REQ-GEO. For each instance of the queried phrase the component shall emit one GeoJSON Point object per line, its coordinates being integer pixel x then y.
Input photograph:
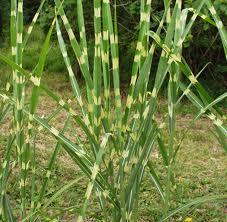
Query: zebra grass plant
{"type": "Point", "coordinates": [120, 134]}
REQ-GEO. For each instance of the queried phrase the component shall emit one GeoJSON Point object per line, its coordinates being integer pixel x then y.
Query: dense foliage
{"type": "Point", "coordinates": [197, 55]}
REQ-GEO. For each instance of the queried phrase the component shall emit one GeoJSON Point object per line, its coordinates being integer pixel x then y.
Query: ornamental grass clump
{"type": "Point", "coordinates": [120, 133]}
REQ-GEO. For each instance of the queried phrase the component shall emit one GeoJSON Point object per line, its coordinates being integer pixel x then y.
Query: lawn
{"type": "Point", "coordinates": [200, 168]}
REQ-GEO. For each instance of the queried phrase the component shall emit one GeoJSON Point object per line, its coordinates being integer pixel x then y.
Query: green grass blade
{"type": "Point", "coordinates": [115, 64]}
{"type": "Point", "coordinates": [219, 24]}
{"type": "Point", "coordinates": [140, 52]}
{"type": "Point", "coordinates": [76, 48]}
{"type": "Point", "coordinates": [156, 181]}
{"type": "Point", "coordinates": [31, 26]}
{"type": "Point", "coordinates": [97, 71]}
{"type": "Point", "coordinates": [95, 170]}
{"type": "Point", "coordinates": [8, 210]}
{"type": "Point", "coordinates": [197, 201]}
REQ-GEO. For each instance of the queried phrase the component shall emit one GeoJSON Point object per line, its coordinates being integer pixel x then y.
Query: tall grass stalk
{"type": "Point", "coordinates": [121, 133]}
